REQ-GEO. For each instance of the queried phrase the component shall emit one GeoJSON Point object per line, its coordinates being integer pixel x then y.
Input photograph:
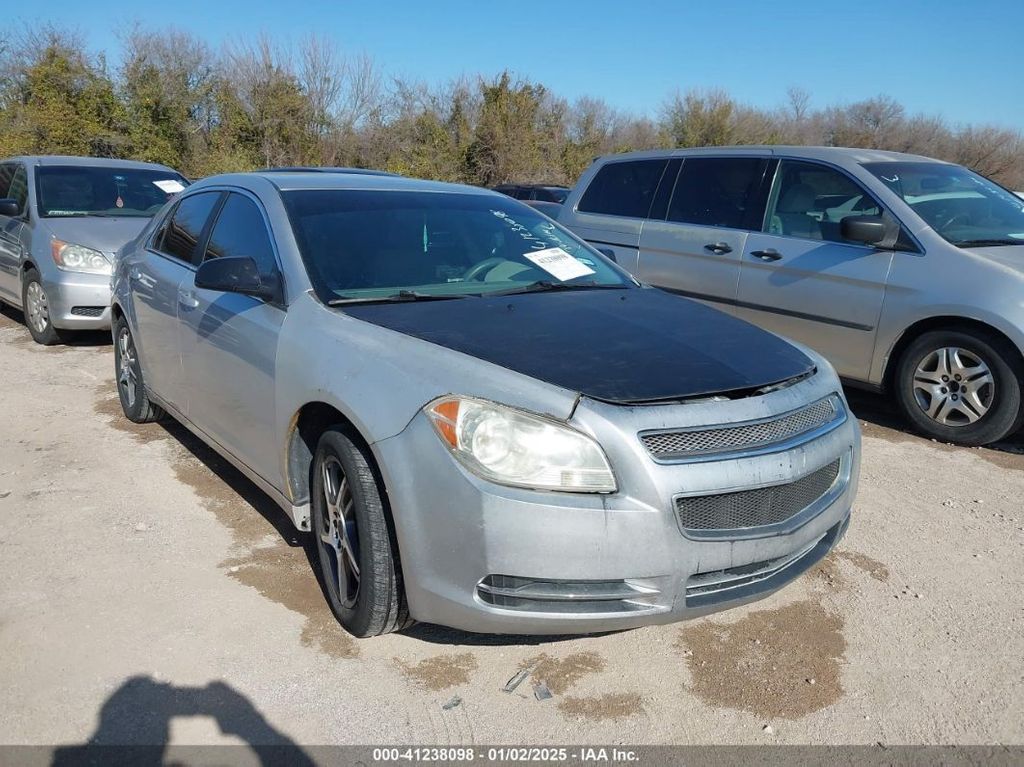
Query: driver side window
{"type": "Point", "coordinates": [810, 201]}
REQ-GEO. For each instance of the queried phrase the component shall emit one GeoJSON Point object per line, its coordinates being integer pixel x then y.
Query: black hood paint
{"type": "Point", "coordinates": [622, 346]}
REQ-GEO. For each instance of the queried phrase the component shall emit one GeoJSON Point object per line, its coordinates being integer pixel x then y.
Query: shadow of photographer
{"type": "Point", "coordinates": [134, 727]}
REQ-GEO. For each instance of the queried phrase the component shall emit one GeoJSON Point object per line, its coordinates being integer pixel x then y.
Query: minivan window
{"type": "Point", "coordinates": [362, 245]}
{"type": "Point", "coordinates": [810, 200]}
{"type": "Point", "coordinates": [623, 188]}
{"type": "Point", "coordinates": [961, 206]}
{"type": "Point", "coordinates": [717, 191]}
{"type": "Point", "coordinates": [241, 231]}
{"type": "Point", "coordinates": [81, 190]}
{"type": "Point", "coordinates": [14, 183]}
{"type": "Point", "coordinates": [182, 232]}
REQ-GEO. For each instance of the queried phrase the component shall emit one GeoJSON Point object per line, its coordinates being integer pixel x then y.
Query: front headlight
{"type": "Point", "coordinates": [515, 448]}
{"type": "Point", "coordinates": [78, 258]}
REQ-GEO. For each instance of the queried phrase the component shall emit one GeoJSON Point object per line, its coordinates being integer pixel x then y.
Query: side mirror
{"type": "Point", "coordinates": [235, 274]}
{"type": "Point", "coordinates": [869, 230]}
{"type": "Point", "coordinates": [609, 254]}
{"type": "Point", "coordinates": [9, 207]}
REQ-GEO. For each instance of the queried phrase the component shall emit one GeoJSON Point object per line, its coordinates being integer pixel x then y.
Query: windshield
{"type": "Point", "coordinates": [365, 245]}
{"type": "Point", "coordinates": [79, 190]}
{"type": "Point", "coordinates": [557, 194]}
{"type": "Point", "coordinates": [963, 207]}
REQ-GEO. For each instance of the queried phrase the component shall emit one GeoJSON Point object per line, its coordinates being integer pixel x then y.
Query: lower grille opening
{"type": "Point", "coordinates": [554, 596]}
{"type": "Point", "coordinates": [759, 507]}
{"type": "Point", "coordinates": [88, 311]}
{"type": "Point", "coordinates": [714, 586]}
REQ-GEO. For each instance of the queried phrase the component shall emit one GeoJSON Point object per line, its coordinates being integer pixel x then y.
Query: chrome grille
{"type": "Point", "coordinates": [689, 443]}
{"type": "Point", "coordinates": [755, 508]}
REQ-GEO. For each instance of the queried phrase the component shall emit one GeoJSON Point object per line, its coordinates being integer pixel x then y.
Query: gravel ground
{"type": "Point", "coordinates": [152, 594]}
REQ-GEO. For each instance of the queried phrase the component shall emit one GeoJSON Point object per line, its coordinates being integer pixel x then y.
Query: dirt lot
{"type": "Point", "coordinates": [150, 592]}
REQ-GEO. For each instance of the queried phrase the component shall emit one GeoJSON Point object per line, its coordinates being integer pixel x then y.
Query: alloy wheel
{"type": "Point", "coordinates": [126, 376]}
{"type": "Point", "coordinates": [954, 386]}
{"type": "Point", "coordinates": [339, 536]}
{"type": "Point", "coordinates": [36, 307]}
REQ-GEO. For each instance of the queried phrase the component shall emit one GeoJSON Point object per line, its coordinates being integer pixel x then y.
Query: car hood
{"type": "Point", "coordinates": [102, 233]}
{"type": "Point", "coordinates": [1009, 256]}
{"type": "Point", "coordinates": [622, 346]}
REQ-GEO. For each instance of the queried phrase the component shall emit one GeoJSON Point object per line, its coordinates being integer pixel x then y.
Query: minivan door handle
{"type": "Point", "coordinates": [766, 255]}
{"type": "Point", "coordinates": [719, 248]}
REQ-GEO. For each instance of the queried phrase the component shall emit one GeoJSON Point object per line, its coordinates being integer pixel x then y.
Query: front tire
{"type": "Point", "coordinates": [131, 385]}
{"type": "Point", "coordinates": [354, 543]}
{"type": "Point", "coordinates": [961, 386]}
{"type": "Point", "coordinates": [36, 306]}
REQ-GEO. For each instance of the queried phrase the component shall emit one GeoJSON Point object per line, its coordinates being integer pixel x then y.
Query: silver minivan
{"type": "Point", "coordinates": [61, 219]}
{"type": "Point", "coordinates": [904, 271]}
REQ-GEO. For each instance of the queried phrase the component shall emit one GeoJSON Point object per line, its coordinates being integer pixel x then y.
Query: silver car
{"type": "Point", "coordinates": [61, 220]}
{"type": "Point", "coordinates": [483, 422]}
{"type": "Point", "coordinates": [905, 272]}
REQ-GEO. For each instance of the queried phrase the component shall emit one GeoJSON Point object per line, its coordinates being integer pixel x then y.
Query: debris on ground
{"type": "Point", "coordinates": [456, 701]}
{"type": "Point", "coordinates": [517, 680]}
{"type": "Point", "coordinates": [768, 730]}
{"type": "Point", "coordinates": [541, 691]}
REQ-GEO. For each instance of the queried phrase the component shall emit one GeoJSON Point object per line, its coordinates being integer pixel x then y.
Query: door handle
{"type": "Point", "coordinates": [719, 248]}
{"type": "Point", "coordinates": [188, 299]}
{"type": "Point", "coordinates": [766, 255]}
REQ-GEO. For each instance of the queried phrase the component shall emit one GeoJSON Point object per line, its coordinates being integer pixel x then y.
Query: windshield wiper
{"type": "Point", "coordinates": [541, 286]}
{"type": "Point", "coordinates": [986, 243]}
{"type": "Point", "coordinates": [399, 297]}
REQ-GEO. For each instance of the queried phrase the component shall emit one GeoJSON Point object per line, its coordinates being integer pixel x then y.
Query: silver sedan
{"type": "Point", "coordinates": [483, 421]}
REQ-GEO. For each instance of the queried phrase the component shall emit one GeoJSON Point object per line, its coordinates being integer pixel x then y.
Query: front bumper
{"type": "Point", "coordinates": [78, 301]}
{"type": "Point", "coordinates": [469, 547]}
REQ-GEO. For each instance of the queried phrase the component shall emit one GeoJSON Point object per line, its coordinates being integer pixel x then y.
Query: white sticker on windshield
{"type": "Point", "coordinates": [558, 263]}
{"type": "Point", "coordinates": [169, 185]}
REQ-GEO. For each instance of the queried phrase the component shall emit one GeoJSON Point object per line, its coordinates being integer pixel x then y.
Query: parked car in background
{"type": "Point", "coordinates": [550, 209]}
{"type": "Point", "coordinates": [905, 272]}
{"type": "Point", "coordinates": [61, 219]}
{"type": "Point", "coordinates": [484, 422]}
{"type": "Point", "coordinates": [539, 192]}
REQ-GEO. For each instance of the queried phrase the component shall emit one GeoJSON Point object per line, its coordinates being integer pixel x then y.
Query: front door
{"type": "Point", "coordinates": [696, 250]}
{"type": "Point", "coordinates": [229, 344]}
{"type": "Point", "coordinates": [801, 279]}
{"type": "Point", "coordinates": [13, 185]}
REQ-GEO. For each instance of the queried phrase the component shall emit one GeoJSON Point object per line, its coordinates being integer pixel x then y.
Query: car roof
{"type": "Point", "coordinates": [90, 162]}
{"type": "Point", "coordinates": [834, 154]}
{"type": "Point", "coordinates": [325, 178]}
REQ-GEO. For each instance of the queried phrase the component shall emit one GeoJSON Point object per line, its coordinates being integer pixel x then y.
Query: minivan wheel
{"type": "Point", "coordinates": [962, 387]}
{"type": "Point", "coordinates": [131, 386]}
{"type": "Point", "coordinates": [36, 307]}
{"type": "Point", "coordinates": [354, 543]}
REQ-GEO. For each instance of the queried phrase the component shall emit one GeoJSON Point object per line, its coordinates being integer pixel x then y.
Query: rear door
{"type": "Point", "coordinates": [617, 201]}
{"type": "Point", "coordinates": [14, 185]}
{"type": "Point", "coordinates": [799, 276]}
{"type": "Point", "coordinates": [154, 277]}
{"type": "Point", "coordinates": [229, 343]}
{"type": "Point", "coordinates": [695, 250]}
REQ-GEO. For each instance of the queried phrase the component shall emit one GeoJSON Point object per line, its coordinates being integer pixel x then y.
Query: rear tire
{"type": "Point", "coordinates": [354, 542]}
{"type": "Point", "coordinates": [961, 386]}
{"type": "Point", "coordinates": [131, 385]}
{"type": "Point", "coordinates": [36, 306]}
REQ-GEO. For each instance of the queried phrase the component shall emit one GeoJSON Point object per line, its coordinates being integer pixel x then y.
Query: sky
{"type": "Point", "coordinates": [960, 59]}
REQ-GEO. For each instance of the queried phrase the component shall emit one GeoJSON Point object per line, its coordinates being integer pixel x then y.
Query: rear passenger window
{"type": "Point", "coordinates": [623, 188]}
{"type": "Point", "coordinates": [241, 231]}
{"type": "Point", "coordinates": [718, 191]}
{"type": "Point", "coordinates": [181, 233]}
{"type": "Point", "coordinates": [810, 201]}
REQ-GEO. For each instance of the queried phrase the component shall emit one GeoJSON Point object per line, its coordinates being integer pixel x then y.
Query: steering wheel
{"type": "Point", "coordinates": [956, 218]}
{"type": "Point", "coordinates": [477, 270]}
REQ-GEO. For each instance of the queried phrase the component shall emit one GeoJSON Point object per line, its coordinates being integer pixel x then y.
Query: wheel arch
{"type": "Point", "coordinates": [942, 322]}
